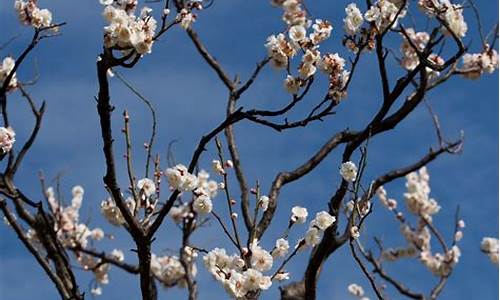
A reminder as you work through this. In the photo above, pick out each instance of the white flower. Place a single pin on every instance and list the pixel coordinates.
(299, 214)
(263, 202)
(297, 33)
(6, 68)
(118, 255)
(281, 276)
(254, 280)
(349, 171)
(147, 186)
(453, 16)
(7, 139)
(356, 290)
(187, 18)
(323, 220)
(461, 224)
(306, 70)
(261, 259)
(353, 20)
(489, 245)
(281, 248)
(312, 237)
(202, 204)
(322, 30)
(30, 14)
(217, 167)
(97, 291)
(97, 234)
(176, 176)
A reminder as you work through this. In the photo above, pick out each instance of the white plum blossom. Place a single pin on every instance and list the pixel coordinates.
(231, 273)
(186, 18)
(313, 236)
(30, 14)
(281, 248)
(489, 245)
(169, 270)
(281, 276)
(112, 213)
(454, 18)
(263, 203)
(353, 20)
(322, 31)
(202, 204)
(356, 290)
(217, 167)
(261, 260)
(7, 66)
(177, 177)
(384, 13)
(147, 186)
(7, 139)
(297, 33)
(439, 264)
(474, 65)
(323, 220)
(417, 195)
(348, 171)
(118, 255)
(126, 30)
(96, 291)
(299, 214)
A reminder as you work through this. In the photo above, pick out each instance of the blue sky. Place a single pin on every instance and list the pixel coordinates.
(190, 100)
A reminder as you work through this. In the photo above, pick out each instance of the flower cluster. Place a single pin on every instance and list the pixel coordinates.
(389, 203)
(417, 41)
(30, 14)
(170, 271)
(384, 13)
(203, 189)
(69, 231)
(7, 139)
(441, 264)
(238, 279)
(478, 63)
(75, 235)
(419, 236)
(113, 214)
(281, 49)
(489, 246)
(318, 225)
(417, 195)
(126, 30)
(449, 12)
(6, 68)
